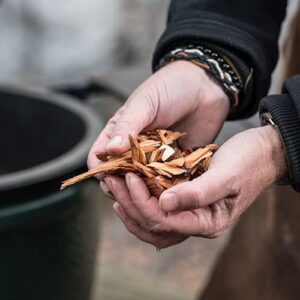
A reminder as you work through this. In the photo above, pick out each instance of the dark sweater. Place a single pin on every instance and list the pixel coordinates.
(247, 31)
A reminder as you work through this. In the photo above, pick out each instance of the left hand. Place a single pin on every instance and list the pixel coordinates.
(243, 168)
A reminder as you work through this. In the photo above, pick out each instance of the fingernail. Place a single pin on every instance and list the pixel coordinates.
(106, 189)
(118, 209)
(116, 141)
(128, 179)
(169, 202)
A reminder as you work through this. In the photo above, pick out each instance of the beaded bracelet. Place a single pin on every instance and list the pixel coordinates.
(211, 62)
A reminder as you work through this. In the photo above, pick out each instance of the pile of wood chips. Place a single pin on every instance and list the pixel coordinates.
(156, 157)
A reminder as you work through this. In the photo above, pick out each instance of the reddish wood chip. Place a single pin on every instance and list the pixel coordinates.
(156, 157)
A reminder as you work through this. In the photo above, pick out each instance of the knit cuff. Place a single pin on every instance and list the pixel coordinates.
(285, 116)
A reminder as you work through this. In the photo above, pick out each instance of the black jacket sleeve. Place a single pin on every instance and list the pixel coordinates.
(248, 29)
(285, 111)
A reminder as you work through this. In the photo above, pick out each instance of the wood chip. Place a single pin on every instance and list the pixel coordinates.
(156, 157)
(171, 170)
(167, 153)
(178, 162)
(144, 170)
(195, 157)
(206, 163)
(102, 156)
(168, 136)
(156, 189)
(137, 152)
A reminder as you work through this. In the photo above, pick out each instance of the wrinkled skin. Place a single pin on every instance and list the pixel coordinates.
(180, 96)
(240, 171)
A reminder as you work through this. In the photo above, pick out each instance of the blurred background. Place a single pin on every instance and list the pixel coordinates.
(66, 45)
(55, 41)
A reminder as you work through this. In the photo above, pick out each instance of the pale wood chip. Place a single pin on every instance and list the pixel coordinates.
(147, 143)
(156, 155)
(157, 158)
(171, 170)
(137, 152)
(168, 136)
(106, 167)
(145, 170)
(124, 156)
(178, 162)
(164, 181)
(149, 146)
(213, 147)
(195, 157)
(206, 163)
(167, 153)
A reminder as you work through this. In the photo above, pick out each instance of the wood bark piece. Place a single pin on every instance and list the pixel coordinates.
(156, 157)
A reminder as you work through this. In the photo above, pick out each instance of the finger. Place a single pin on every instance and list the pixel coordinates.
(92, 160)
(138, 113)
(146, 236)
(210, 187)
(100, 143)
(121, 194)
(105, 189)
(146, 204)
(187, 223)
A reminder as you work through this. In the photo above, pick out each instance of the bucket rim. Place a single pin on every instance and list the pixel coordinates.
(65, 163)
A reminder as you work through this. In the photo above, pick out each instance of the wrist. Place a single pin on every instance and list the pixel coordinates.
(274, 152)
(208, 90)
(213, 63)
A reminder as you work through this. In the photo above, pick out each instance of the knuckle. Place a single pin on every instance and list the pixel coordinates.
(110, 123)
(124, 121)
(151, 105)
(131, 226)
(233, 184)
(214, 235)
(157, 228)
(196, 196)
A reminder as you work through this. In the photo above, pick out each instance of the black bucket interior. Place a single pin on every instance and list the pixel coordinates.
(34, 132)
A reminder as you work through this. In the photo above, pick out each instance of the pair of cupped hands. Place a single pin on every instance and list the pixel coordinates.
(182, 97)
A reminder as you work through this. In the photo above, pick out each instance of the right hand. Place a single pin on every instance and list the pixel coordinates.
(180, 96)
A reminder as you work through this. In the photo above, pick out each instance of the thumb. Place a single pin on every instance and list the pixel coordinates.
(210, 187)
(137, 114)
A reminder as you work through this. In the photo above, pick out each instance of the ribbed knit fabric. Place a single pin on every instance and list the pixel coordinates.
(249, 29)
(285, 111)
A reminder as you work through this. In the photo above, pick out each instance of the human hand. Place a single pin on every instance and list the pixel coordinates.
(244, 167)
(180, 96)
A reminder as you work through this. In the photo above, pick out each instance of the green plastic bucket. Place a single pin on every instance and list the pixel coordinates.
(48, 238)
